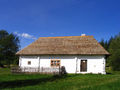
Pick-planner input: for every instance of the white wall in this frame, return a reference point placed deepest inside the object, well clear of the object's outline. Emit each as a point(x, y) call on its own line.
point(23, 61)
point(68, 61)
point(95, 64)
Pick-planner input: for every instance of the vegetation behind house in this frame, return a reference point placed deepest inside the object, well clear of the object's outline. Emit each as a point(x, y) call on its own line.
point(113, 47)
point(9, 45)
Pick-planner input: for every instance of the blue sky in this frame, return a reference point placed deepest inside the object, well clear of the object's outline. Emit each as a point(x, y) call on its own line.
point(30, 19)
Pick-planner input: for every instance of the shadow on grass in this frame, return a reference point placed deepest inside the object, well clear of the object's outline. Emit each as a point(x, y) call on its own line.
point(29, 82)
point(108, 73)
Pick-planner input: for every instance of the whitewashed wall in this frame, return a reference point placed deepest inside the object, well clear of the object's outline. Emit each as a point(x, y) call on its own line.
point(23, 61)
point(95, 64)
point(68, 61)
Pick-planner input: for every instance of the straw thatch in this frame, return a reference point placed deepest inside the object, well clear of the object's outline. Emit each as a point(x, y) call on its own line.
point(69, 45)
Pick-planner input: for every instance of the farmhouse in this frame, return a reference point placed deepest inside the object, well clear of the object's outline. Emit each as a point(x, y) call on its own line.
point(78, 54)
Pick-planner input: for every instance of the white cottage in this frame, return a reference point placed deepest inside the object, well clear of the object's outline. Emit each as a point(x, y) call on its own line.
point(78, 54)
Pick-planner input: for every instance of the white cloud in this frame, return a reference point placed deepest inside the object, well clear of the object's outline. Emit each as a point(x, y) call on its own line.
point(25, 35)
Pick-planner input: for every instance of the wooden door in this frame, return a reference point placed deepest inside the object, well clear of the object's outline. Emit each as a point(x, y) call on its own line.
point(83, 66)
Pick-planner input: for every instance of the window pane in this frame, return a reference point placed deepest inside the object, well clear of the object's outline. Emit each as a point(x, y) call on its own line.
point(55, 63)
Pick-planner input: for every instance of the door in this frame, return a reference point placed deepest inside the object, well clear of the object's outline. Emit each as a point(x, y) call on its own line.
point(83, 66)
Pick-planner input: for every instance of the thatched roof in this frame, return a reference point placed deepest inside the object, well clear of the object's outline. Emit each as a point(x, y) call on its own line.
point(68, 45)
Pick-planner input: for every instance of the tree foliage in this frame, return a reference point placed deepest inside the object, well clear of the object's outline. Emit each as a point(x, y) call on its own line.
point(113, 47)
point(104, 44)
point(9, 45)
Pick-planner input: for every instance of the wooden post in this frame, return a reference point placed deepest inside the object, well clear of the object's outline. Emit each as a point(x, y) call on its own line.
point(24, 69)
point(59, 70)
point(39, 64)
point(76, 58)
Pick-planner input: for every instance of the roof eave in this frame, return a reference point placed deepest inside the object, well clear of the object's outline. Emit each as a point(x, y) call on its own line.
point(61, 54)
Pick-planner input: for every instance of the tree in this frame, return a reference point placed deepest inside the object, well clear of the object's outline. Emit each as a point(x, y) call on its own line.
point(104, 44)
point(9, 45)
point(114, 50)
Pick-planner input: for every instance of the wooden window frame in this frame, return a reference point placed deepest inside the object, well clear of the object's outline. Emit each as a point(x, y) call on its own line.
point(53, 60)
point(29, 62)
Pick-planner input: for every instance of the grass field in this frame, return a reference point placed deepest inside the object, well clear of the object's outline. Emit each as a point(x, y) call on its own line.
point(68, 82)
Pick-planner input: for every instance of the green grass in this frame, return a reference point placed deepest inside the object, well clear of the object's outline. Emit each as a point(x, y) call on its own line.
point(49, 82)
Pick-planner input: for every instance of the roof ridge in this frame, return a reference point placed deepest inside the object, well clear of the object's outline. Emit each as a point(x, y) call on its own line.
point(65, 36)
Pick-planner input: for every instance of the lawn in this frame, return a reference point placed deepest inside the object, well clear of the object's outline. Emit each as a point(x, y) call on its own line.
point(49, 82)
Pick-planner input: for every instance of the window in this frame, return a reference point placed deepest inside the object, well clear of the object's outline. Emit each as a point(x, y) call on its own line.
point(29, 62)
point(55, 63)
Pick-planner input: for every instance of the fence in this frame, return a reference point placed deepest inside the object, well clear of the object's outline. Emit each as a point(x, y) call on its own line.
point(42, 70)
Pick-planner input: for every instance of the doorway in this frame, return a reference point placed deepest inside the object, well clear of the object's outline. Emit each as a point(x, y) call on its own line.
point(83, 66)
